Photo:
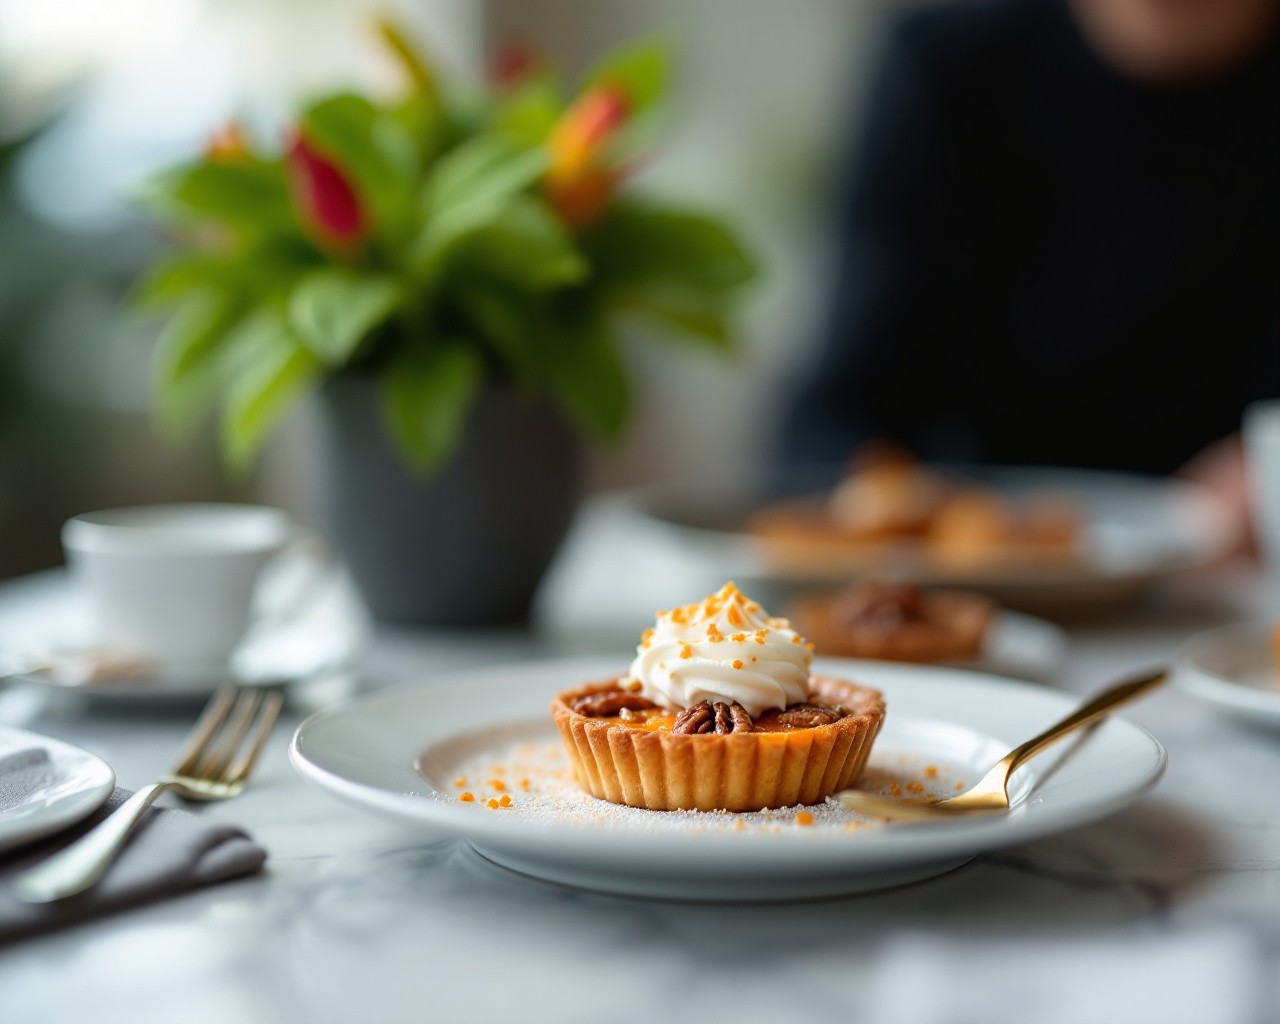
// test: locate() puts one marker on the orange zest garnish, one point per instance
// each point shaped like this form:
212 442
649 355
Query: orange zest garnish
686 651
466 798
737 664
804 818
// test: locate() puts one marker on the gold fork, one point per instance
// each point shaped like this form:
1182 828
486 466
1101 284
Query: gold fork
207 769
992 793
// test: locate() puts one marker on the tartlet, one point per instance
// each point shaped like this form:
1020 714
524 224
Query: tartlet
895 622
714 730
889 510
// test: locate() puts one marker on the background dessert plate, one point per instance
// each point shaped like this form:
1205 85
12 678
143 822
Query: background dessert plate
1136 531
46 785
412 754
1234 668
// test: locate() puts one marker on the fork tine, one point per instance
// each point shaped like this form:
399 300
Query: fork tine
221 749
262 729
206 725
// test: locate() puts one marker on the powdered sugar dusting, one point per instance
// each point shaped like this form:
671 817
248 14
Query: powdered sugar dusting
533 779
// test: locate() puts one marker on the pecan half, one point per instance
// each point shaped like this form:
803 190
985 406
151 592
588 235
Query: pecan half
609 702
708 717
807 716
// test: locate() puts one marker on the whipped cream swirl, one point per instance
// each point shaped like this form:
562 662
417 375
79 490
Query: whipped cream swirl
724 648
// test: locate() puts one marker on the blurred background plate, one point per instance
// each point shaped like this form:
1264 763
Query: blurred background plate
1137 531
1234 668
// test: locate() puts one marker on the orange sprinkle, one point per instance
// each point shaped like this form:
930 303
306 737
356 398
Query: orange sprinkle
460 781
795 639
737 664
754 658
505 801
810 645
931 771
740 825
497 785
493 805
712 629
752 606
759 639
523 784
686 651
804 818
959 785
735 616
466 798
914 787
499 769
739 638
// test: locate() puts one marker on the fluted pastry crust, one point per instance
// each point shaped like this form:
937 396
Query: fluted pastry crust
659 770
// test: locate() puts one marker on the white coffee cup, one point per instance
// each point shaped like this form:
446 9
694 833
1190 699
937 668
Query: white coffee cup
1262 449
175 584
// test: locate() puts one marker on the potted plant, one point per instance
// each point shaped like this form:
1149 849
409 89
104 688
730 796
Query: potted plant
446 270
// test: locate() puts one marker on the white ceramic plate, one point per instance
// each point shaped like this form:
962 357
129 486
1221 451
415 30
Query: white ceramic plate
399 753
1234 668
1138 530
46 785
324 636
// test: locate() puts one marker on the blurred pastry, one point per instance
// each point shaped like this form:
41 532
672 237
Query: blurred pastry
895 622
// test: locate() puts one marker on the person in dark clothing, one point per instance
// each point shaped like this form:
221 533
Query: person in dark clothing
1060 237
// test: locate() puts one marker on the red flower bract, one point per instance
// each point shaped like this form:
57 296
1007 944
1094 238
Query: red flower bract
325 200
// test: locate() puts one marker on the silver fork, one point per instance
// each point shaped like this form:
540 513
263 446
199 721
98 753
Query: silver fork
207 769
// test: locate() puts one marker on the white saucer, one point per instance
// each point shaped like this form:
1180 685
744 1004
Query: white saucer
398 754
1234 668
72 784
324 636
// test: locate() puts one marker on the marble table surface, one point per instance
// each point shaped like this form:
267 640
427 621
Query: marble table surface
1167 912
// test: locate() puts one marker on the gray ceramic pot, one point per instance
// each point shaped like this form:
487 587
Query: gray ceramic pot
467 546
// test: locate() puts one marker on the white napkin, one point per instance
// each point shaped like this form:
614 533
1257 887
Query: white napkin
1210 977
23 772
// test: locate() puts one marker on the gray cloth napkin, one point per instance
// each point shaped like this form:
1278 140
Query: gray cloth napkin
171 851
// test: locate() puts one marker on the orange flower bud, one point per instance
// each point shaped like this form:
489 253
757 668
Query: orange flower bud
227 145
324 198
578 183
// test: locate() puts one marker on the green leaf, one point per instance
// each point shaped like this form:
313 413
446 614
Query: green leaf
507 322
588 378
371 145
186 365
276 372
249 194
333 310
529 112
640 70
427 392
177 276
469 188
640 246
524 244
483 171
701 321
